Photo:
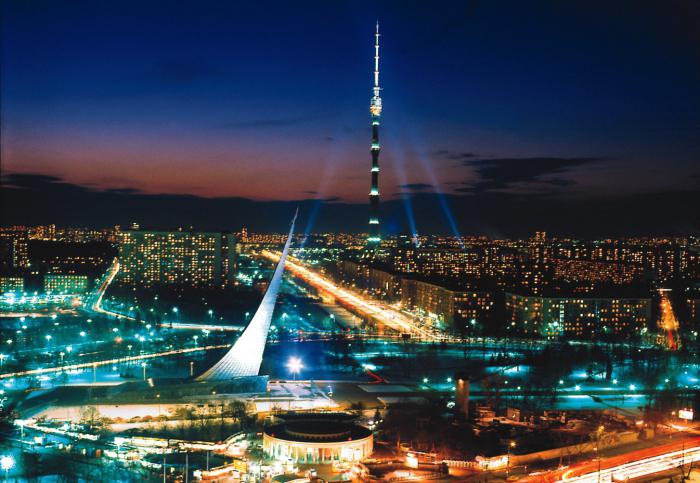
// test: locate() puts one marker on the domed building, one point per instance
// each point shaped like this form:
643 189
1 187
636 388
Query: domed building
318 438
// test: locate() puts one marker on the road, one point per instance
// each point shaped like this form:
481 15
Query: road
86 365
381 312
634 464
668 323
96 305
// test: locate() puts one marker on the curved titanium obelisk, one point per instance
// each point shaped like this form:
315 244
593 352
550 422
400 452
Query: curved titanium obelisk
375 109
245 357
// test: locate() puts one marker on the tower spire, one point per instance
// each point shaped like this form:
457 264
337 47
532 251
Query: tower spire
376 60
375 109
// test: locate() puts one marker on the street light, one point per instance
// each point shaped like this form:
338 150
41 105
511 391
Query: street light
143 364
7 462
295 365
511 445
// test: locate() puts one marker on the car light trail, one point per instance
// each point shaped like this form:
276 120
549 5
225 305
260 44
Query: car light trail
86 365
390 317
634 469
97 305
201 327
668 321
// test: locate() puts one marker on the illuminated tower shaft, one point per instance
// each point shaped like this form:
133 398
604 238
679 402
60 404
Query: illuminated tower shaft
375 109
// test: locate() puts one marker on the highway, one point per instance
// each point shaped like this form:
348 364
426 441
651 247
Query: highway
628 466
86 365
96 306
383 313
668 323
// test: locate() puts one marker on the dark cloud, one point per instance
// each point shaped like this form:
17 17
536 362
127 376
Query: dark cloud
27 199
31 181
38 182
124 191
330 199
28 180
560 182
415 186
454 155
514 173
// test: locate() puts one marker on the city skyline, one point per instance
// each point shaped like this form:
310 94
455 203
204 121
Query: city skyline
523 304
221 121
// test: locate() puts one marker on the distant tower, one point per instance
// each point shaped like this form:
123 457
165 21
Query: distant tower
375 108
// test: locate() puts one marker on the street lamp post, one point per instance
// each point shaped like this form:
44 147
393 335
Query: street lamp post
7 462
294 365
143 364
511 445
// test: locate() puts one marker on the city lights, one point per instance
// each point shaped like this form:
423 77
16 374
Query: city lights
7 462
220 290
295 366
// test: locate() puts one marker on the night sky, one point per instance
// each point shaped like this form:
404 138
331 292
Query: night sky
499 118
